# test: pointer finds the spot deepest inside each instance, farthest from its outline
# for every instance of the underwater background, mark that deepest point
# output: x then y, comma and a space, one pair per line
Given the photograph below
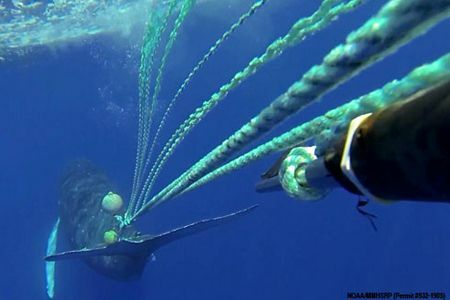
78, 100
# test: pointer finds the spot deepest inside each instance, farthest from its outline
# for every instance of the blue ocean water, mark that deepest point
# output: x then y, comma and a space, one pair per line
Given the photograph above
79, 101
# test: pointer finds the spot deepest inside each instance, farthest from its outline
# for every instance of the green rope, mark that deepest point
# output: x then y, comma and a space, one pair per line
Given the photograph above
302, 28
397, 23
152, 38
293, 177
420, 78
185, 9
205, 58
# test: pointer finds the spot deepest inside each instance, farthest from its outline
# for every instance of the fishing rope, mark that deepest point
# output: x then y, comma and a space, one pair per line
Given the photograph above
325, 14
419, 79
293, 176
188, 79
398, 22
152, 38
185, 9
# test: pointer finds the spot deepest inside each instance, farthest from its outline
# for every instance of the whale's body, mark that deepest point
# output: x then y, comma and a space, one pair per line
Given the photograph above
83, 222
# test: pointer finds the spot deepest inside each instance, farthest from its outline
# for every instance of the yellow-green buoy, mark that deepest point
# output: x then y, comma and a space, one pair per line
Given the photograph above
110, 237
112, 203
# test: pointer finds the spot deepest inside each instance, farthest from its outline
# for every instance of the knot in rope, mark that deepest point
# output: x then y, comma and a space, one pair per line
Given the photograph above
123, 221
292, 174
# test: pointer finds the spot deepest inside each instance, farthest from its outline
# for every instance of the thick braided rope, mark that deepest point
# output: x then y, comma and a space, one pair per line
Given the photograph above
302, 28
194, 71
152, 38
185, 9
292, 174
398, 22
420, 78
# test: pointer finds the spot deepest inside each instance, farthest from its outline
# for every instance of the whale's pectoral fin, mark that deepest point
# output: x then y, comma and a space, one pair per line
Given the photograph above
146, 244
178, 233
50, 266
81, 253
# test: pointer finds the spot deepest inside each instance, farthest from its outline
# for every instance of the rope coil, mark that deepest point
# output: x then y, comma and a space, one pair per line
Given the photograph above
292, 175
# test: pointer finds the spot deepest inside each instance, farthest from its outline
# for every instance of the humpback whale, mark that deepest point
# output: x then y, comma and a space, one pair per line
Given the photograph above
86, 223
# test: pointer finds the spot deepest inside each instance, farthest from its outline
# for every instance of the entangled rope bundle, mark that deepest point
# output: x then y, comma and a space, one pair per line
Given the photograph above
327, 12
157, 24
397, 23
420, 78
